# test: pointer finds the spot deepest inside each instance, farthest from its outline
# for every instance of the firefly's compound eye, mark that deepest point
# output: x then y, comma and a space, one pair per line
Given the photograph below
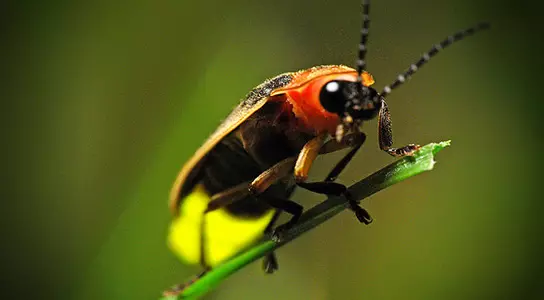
332, 97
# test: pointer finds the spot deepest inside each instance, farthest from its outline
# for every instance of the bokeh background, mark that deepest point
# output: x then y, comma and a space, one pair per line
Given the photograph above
105, 100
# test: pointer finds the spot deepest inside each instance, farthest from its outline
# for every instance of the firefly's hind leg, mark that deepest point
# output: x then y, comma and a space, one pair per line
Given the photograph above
258, 186
385, 135
218, 201
256, 189
270, 262
178, 288
267, 178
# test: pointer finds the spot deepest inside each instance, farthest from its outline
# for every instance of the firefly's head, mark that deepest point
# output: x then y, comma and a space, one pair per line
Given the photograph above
338, 99
352, 101
355, 101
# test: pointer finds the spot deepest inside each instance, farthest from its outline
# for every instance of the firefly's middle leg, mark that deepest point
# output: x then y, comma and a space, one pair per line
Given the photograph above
328, 186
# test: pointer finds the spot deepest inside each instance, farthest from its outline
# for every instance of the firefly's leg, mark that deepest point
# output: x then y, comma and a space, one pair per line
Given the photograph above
305, 159
256, 188
307, 155
355, 141
385, 135
218, 201
271, 176
337, 189
228, 196
270, 262
178, 288
302, 167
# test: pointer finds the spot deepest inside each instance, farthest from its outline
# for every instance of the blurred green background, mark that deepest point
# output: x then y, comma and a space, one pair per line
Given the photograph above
104, 101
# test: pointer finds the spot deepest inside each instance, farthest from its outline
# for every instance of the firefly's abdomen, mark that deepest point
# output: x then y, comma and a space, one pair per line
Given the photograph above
264, 139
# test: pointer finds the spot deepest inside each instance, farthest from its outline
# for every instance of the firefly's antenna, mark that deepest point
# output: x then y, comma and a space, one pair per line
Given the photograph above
427, 56
361, 64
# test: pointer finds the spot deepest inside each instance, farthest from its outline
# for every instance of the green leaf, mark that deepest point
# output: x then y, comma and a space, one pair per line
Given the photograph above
404, 168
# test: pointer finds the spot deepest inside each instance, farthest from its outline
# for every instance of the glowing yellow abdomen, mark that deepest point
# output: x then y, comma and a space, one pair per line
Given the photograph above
224, 234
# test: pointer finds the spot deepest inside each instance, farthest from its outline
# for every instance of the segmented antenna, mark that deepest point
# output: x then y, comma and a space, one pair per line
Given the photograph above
427, 56
361, 64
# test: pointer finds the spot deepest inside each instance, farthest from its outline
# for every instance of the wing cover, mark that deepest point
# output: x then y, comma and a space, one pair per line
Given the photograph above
254, 100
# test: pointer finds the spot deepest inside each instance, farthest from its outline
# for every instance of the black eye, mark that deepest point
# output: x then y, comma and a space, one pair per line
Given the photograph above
332, 97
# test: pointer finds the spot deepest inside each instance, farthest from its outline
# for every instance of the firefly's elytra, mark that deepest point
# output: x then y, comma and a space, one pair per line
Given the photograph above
234, 187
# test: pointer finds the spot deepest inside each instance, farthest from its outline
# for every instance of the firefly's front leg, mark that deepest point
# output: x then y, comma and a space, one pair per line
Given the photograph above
385, 135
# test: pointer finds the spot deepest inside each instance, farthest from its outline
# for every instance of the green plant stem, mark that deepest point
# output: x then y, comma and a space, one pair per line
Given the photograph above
421, 161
